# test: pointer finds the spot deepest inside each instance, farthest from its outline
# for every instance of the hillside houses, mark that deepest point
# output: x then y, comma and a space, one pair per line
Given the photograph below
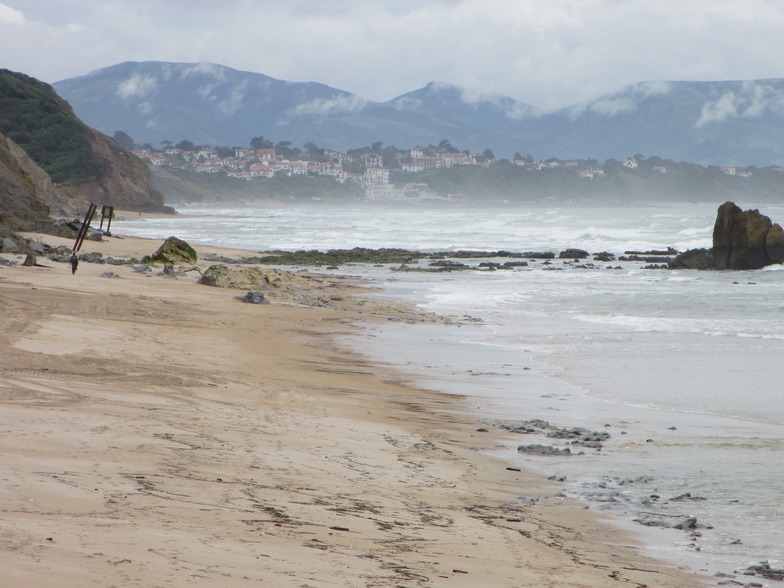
254, 163
378, 174
250, 164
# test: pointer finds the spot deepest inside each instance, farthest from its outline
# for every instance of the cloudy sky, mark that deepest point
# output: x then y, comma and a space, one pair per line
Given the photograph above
549, 53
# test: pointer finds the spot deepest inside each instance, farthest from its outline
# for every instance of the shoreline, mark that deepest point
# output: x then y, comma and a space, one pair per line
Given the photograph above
604, 478
158, 431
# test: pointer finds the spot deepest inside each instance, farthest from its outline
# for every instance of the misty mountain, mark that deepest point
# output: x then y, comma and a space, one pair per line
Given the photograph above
739, 122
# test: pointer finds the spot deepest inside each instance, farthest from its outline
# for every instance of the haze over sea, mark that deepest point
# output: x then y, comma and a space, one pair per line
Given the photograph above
683, 368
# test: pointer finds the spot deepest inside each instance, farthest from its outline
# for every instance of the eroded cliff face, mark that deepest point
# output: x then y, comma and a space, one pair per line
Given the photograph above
126, 184
25, 189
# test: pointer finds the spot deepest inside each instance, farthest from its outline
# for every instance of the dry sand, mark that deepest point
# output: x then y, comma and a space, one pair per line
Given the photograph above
157, 432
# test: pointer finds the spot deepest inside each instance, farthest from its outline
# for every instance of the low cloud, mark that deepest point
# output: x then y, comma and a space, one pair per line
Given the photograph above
624, 101
751, 100
407, 103
138, 86
331, 105
234, 99
205, 91
204, 69
510, 107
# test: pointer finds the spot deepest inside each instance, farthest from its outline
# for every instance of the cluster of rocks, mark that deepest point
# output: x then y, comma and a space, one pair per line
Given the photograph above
684, 522
764, 570
69, 228
574, 435
742, 240
11, 242
651, 510
537, 449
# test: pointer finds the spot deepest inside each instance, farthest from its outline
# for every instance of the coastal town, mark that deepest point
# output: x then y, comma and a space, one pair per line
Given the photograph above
251, 164
378, 175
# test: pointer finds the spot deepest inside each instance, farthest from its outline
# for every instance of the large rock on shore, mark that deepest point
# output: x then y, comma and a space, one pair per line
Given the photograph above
174, 251
745, 239
274, 283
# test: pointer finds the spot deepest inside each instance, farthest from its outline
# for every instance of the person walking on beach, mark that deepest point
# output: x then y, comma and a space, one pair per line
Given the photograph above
73, 262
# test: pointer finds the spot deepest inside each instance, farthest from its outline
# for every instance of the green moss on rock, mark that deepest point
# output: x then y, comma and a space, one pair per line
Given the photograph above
174, 251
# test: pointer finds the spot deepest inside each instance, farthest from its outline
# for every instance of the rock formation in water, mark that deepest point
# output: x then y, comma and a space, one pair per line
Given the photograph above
742, 240
745, 239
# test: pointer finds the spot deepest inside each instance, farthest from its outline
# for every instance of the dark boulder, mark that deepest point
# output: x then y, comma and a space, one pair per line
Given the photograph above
573, 254
254, 298
746, 239
701, 259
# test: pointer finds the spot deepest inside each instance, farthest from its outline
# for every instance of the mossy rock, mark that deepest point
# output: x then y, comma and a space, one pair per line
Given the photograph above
175, 251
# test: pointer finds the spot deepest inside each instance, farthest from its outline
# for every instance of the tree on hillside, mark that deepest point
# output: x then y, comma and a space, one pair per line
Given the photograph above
124, 139
314, 152
261, 143
186, 145
391, 159
446, 147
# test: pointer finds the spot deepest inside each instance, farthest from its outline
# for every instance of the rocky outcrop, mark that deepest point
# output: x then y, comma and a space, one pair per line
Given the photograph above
573, 254
742, 240
173, 251
272, 283
253, 278
24, 189
745, 239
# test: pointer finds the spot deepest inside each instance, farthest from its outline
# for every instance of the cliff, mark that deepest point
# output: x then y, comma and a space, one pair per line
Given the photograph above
125, 184
24, 189
84, 165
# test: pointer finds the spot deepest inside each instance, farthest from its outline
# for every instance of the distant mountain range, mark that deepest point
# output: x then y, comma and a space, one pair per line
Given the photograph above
710, 123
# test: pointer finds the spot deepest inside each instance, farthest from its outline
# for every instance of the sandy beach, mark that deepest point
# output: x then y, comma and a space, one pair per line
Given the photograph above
158, 432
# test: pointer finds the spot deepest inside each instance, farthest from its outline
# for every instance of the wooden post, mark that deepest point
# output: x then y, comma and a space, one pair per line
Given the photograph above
85, 226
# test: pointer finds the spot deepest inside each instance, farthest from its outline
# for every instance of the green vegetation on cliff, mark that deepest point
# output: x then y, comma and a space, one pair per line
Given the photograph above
45, 126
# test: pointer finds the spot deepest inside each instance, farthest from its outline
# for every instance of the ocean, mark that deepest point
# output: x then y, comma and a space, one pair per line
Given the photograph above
682, 368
